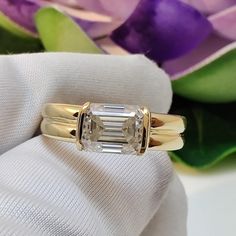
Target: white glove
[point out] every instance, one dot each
(48, 187)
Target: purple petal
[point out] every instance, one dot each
(119, 9)
(162, 29)
(224, 23)
(20, 11)
(188, 62)
(210, 6)
(97, 29)
(110, 47)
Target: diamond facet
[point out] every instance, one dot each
(112, 128)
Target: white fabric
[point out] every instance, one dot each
(47, 187)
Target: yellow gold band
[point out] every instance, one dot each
(60, 122)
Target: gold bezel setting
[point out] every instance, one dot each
(80, 118)
(146, 130)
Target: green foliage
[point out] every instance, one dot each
(12, 43)
(213, 82)
(211, 132)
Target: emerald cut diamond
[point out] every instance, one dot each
(112, 128)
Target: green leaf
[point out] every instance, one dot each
(12, 43)
(210, 135)
(14, 28)
(15, 39)
(213, 80)
(60, 33)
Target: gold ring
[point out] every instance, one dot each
(113, 128)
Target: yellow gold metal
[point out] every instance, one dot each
(166, 142)
(173, 123)
(146, 129)
(61, 111)
(58, 130)
(165, 132)
(160, 131)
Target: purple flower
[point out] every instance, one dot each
(117, 9)
(21, 12)
(210, 6)
(222, 15)
(114, 13)
(177, 33)
(162, 29)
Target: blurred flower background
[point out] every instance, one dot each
(192, 40)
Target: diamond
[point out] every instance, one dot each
(112, 128)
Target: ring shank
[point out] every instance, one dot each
(57, 130)
(61, 111)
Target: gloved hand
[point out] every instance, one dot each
(48, 187)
